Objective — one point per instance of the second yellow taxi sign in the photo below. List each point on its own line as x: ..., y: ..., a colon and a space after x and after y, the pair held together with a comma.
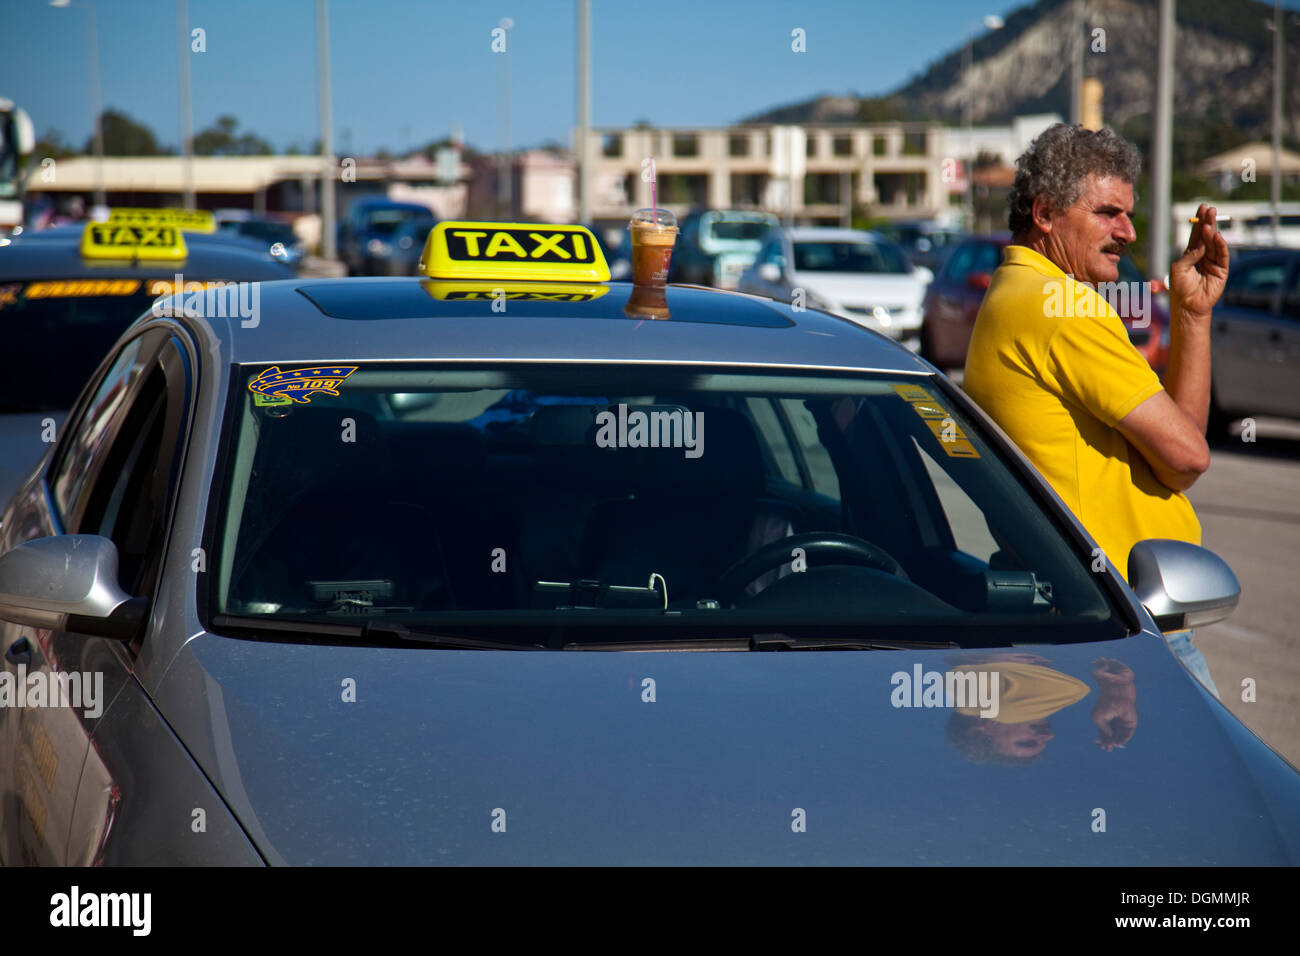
x: 187, y: 220
x: 513, y: 250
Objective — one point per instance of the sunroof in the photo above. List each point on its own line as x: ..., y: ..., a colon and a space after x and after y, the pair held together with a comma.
x: 426, y: 299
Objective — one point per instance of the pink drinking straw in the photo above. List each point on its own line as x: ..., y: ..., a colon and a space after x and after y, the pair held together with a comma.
x: 654, y: 201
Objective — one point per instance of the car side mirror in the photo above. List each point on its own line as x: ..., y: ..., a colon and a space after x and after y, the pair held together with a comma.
x: 769, y: 272
x: 1182, y: 585
x: 979, y: 281
x: 924, y: 274
x: 68, y: 582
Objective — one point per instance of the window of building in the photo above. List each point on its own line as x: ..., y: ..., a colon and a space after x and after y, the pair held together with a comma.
x: 686, y: 144
x: 879, y: 146
x: 914, y: 143
x: 611, y: 144
x: 738, y: 145
x: 843, y: 146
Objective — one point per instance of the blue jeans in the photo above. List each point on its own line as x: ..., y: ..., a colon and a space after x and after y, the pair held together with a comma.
x: 1180, y: 642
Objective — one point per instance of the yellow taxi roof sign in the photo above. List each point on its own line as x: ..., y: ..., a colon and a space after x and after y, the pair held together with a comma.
x: 188, y: 220
x: 124, y: 240
x: 513, y: 250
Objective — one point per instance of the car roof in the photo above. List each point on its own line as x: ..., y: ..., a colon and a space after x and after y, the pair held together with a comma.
x: 831, y: 233
x: 56, y: 254
x: 400, y: 319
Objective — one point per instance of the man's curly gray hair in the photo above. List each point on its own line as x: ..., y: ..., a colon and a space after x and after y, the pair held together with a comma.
x: 1056, y: 164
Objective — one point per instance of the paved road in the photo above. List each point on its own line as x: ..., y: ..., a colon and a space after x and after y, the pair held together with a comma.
x: 1249, y: 506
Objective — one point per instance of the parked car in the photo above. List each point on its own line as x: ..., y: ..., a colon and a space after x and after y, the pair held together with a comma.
x: 62, y: 312
x: 715, y: 246
x: 367, y: 233
x: 926, y: 241
x: 955, y: 296
x: 278, y: 238
x: 356, y: 628
x: 1255, y: 340
x: 861, y: 276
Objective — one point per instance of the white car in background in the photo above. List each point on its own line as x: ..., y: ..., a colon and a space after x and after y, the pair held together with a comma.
x: 861, y: 276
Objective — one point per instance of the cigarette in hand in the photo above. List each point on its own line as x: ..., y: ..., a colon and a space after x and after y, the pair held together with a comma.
x: 1221, y: 220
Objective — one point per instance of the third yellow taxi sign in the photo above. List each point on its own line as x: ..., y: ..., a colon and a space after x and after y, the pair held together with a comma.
x: 513, y: 250
x: 188, y: 220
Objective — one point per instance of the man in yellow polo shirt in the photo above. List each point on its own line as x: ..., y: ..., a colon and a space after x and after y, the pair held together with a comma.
x: 1051, y: 362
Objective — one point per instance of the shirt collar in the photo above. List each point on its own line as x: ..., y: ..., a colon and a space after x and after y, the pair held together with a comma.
x: 1024, y: 256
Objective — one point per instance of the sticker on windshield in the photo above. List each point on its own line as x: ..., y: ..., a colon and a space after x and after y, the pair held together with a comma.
x: 939, y: 420
x: 298, y: 385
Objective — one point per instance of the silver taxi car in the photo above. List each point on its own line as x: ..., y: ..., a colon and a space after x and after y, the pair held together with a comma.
x: 479, y: 568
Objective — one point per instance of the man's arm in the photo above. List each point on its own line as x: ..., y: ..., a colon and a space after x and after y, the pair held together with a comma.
x: 1195, y: 283
x: 1170, y: 441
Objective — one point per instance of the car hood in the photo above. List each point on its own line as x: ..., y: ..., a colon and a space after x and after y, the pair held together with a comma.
x: 863, y: 289
x: 741, y: 758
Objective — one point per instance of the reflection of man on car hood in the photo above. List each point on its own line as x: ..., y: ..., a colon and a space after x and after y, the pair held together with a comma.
x: 1030, y: 693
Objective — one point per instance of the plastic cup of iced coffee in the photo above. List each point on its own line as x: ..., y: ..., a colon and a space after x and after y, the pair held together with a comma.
x: 654, y: 233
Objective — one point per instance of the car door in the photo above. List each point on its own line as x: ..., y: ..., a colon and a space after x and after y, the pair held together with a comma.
x: 1288, y: 341
x: 1247, y: 337
x: 947, y: 307
x: 115, y: 475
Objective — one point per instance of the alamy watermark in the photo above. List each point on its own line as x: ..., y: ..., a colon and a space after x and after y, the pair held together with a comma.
x: 657, y: 428
x: 80, y: 690
x: 208, y: 300
x: 950, y: 689
x: 1072, y: 298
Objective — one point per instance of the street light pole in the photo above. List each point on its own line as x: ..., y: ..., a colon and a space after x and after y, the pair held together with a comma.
x: 584, y: 110
x: 187, y: 109
x: 328, y: 239
x: 1275, y: 181
x: 505, y: 171
x: 95, y: 108
x: 991, y: 22
x: 1162, y: 141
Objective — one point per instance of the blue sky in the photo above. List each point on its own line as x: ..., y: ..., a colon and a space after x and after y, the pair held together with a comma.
x: 406, y: 71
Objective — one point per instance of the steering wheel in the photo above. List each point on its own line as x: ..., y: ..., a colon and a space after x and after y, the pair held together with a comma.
x: 822, y: 547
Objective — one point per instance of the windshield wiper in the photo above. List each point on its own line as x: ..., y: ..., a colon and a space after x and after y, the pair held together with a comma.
x: 391, y: 629
x: 780, y: 642
x: 373, y: 630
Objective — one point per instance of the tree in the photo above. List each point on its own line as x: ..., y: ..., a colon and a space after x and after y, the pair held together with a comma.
x: 221, y: 140
x: 52, y: 144
x: 123, y: 136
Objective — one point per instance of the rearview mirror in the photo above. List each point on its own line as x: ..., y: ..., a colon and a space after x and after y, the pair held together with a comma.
x: 1181, y: 584
x: 769, y: 272
x: 68, y: 582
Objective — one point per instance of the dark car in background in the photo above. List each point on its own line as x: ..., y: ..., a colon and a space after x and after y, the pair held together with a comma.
x: 279, y: 239
x: 926, y: 242
x: 1255, y: 340
x: 716, y: 245
x: 368, y: 233
x: 955, y: 296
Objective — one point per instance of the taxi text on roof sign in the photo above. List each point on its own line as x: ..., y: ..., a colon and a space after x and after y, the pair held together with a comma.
x: 107, y: 240
x: 513, y: 250
x: 188, y: 220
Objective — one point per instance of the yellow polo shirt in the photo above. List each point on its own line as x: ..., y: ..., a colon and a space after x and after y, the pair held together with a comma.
x: 1051, y: 363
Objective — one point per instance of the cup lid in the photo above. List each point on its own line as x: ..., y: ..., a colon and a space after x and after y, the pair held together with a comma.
x: 660, y: 218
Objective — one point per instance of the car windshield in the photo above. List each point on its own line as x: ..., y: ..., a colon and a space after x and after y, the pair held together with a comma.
x: 568, y: 503
x: 61, y: 330
x: 739, y: 230
x: 384, y: 222
x: 850, y: 256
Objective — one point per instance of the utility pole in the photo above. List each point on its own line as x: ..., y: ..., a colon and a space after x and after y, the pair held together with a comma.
x: 187, y: 107
x: 1275, y: 181
x: 329, y: 248
x: 584, y: 111
x: 1162, y: 142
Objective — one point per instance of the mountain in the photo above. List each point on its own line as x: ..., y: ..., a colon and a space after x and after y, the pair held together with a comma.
x: 1223, y: 72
